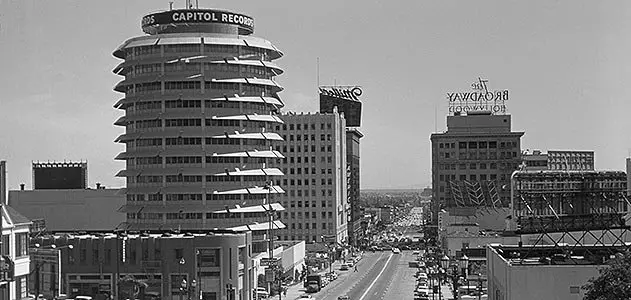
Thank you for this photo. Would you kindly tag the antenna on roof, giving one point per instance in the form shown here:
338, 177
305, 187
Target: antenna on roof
170, 5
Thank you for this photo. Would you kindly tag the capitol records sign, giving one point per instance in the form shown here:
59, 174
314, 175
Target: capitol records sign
479, 98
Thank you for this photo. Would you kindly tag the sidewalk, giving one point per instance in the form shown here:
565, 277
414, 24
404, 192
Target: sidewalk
297, 289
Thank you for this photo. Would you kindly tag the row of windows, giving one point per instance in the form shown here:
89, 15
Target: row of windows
304, 126
242, 51
196, 178
480, 166
305, 137
479, 155
246, 70
323, 193
190, 197
193, 216
294, 203
205, 258
479, 145
313, 226
254, 90
157, 105
196, 123
474, 177
305, 148
181, 141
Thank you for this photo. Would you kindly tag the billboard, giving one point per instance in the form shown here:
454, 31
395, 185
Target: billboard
346, 99
181, 16
59, 175
479, 98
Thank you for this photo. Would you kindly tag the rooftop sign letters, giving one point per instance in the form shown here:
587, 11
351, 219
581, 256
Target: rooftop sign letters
197, 16
343, 92
480, 98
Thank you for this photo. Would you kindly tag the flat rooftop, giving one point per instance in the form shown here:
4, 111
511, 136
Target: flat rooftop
539, 255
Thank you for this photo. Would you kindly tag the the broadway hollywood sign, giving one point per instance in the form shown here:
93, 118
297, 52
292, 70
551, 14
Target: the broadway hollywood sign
480, 98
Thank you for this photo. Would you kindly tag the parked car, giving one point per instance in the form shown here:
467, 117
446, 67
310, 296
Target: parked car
344, 267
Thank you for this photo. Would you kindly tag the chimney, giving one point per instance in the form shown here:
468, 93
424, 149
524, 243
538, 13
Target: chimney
22, 186
98, 185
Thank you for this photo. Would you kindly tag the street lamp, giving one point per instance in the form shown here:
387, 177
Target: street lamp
444, 264
464, 266
183, 283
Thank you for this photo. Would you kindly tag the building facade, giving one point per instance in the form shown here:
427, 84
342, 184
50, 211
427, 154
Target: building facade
547, 273
565, 160
472, 162
316, 177
85, 209
200, 107
14, 255
352, 176
192, 264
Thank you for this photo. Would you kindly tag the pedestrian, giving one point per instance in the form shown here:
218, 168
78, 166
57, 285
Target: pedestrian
285, 291
355, 268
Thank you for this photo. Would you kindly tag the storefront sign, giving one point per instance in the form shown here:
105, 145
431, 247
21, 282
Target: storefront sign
480, 98
197, 16
343, 92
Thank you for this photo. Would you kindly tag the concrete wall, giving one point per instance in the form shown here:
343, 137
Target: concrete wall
71, 209
552, 282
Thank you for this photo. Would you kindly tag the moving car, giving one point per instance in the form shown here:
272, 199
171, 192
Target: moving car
305, 296
343, 298
396, 251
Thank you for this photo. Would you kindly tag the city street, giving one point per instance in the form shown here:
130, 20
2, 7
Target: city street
380, 275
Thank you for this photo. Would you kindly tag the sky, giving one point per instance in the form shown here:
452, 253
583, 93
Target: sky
567, 65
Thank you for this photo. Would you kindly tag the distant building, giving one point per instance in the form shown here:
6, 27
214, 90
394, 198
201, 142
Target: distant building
212, 264
534, 160
315, 176
472, 163
567, 160
352, 176
72, 209
14, 254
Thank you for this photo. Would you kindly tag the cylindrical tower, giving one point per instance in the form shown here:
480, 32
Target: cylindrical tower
200, 103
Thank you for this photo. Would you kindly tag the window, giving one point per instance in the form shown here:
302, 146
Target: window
176, 282
21, 287
208, 257
179, 253
21, 240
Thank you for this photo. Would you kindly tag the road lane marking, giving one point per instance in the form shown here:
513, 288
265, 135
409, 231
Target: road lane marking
376, 278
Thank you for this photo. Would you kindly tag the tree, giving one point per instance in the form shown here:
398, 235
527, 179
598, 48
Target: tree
613, 282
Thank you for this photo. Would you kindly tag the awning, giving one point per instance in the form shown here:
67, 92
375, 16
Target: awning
255, 208
253, 190
261, 43
254, 136
250, 62
259, 226
142, 190
258, 118
255, 172
259, 81
145, 41
162, 208
255, 153
236, 98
